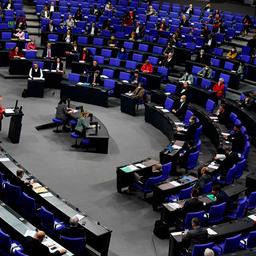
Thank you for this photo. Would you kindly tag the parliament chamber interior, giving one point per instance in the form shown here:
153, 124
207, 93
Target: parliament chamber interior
127, 127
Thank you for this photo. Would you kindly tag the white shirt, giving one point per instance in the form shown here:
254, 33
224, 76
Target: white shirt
92, 30
30, 73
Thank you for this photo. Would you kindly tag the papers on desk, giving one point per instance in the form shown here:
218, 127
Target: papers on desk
81, 61
225, 134
48, 243
129, 168
38, 188
179, 124
46, 70
54, 70
211, 232
159, 107
104, 77
125, 81
4, 159
174, 205
9, 111
79, 216
140, 165
47, 194
181, 129
129, 93
252, 217
37, 78
213, 166
167, 93
214, 118
30, 233
79, 83
165, 110
220, 156
174, 183
174, 146
179, 233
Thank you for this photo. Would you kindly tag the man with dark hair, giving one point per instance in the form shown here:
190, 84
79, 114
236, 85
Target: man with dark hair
221, 196
237, 139
194, 236
203, 179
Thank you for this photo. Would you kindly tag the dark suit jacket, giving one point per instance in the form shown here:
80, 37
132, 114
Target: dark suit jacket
224, 117
202, 181
191, 130
34, 247
228, 162
54, 66
192, 205
95, 31
73, 232
181, 110
195, 236
238, 141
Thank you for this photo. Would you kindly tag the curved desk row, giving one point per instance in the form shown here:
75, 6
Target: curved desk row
19, 229
222, 231
98, 236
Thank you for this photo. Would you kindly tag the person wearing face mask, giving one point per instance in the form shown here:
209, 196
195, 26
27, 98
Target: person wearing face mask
187, 78
205, 72
232, 54
185, 90
181, 108
122, 54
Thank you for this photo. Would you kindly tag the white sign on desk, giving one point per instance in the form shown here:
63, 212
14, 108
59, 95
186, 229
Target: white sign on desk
9, 111
4, 159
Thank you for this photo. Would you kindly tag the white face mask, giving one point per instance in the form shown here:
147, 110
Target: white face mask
181, 101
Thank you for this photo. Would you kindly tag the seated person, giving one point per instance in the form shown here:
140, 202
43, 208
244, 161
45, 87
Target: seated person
78, 15
15, 53
94, 67
109, 7
231, 158
192, 204
232, 54
240, 70
205, 72
219, 89
128, 18
208, 252
136, 78
204, 178
189, 147
223, 114
151, 11
220, 197
147, 67
133, 36
68, 38
70, 23
73, 230
184, 21
35, 72
45, 13
249, 101
139, 30
185, 90
9, 5
48, 51
187, 78
82, 124
92, 30
112, 42
155, 171
189, 10
122, 54
201, 57
181, 108
237, 139
161, 26
20, 35
62, 111
194, 236
58, 65
168, 60
189, 134
95, 79
31, 46
85, 55
33, 246
20, 174
139, 92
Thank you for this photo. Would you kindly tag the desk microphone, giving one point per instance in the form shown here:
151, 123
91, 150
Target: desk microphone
20, 111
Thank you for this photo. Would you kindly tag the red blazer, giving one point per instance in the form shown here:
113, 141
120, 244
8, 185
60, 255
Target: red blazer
2, 109
13, 54
219, 90
147, 68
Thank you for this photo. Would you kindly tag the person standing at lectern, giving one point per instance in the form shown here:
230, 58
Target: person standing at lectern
35, 72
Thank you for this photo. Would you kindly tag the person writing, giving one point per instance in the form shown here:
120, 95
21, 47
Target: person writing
35, 72
82, 124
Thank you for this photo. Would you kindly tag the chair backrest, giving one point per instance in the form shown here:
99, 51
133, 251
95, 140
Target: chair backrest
106, 53
98, 41
10, 45
251, 240
189, 216
157, 50
198, 249
28, 205
131, 64
226, 78
168, 104
153, 60
114, 62
207, 188
30, 54
5, 241
73, 77
198, 133
99, 59
232, 117
216, 213
195, 70
192, 160
128, 45
108, 72
170, 88
229, 65
210, 106
20, 253
218, 51
231, 175
143, 47
240, 167
92, 50
241, 208
82, 40
231, 244
109, 84
246, 149
215, 62
47, 218
185, 193
206, 83
124, 76
252, 201
187, 116
12, 194
75, 245
137, 57
166, 170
